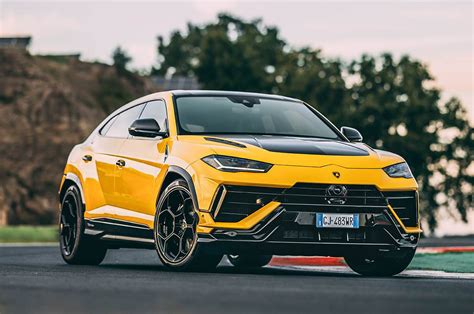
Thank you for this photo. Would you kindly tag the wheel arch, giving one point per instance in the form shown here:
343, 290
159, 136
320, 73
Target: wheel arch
69, 180
174, 173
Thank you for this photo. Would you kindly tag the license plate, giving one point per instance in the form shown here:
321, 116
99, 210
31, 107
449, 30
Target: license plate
337, 220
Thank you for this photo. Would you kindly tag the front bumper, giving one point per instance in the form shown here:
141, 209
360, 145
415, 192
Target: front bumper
275, 213
294, 233
283, 221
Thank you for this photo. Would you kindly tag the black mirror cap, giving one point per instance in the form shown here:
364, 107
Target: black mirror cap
352, 134
146, 128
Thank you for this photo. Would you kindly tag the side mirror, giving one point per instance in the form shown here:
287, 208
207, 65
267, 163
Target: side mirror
352, 134
146, 128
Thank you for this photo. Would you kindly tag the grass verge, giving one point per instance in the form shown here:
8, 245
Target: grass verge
448, 262
24, 234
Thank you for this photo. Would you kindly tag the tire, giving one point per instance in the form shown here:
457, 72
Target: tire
249, 261
175, 233
383, 266
76, 247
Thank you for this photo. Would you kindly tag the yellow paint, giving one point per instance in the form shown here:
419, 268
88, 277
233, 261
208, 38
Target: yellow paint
406, 229
130, 193
247, 223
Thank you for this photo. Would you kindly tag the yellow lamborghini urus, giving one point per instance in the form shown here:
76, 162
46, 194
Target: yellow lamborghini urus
199, 174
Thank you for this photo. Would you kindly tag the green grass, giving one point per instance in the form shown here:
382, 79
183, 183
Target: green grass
12, 234
448, 262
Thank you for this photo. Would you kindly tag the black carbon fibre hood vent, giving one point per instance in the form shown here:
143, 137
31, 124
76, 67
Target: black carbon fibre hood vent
224, 141
298, 145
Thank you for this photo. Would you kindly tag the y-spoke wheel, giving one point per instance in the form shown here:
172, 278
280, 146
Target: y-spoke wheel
176, 225
76, 247
176, 221
68, 225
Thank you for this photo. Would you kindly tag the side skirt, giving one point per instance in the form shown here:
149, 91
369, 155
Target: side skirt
120, 234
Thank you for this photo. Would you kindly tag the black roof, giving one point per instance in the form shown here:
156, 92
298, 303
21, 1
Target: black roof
228, 93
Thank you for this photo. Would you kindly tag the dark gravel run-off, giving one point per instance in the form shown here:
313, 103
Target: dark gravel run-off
35, 280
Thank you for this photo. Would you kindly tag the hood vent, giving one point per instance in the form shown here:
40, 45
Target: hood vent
223, 141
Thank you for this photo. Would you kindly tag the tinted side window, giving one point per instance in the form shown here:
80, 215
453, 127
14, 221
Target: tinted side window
123, 121
156, 109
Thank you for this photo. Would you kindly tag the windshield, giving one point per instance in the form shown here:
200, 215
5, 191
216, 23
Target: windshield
249, 115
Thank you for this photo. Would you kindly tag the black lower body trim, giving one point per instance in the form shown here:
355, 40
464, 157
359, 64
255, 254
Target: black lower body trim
118, 233
295, 233
297, 248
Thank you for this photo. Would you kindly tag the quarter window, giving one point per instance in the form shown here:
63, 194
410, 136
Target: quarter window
123, 121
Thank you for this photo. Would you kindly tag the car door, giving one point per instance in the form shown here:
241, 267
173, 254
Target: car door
138, 180
105, 151
101, 190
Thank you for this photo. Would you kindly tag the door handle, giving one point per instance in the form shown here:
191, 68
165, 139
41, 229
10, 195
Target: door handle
120, 163
87, 158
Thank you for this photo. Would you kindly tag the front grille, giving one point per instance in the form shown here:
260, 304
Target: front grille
404, 203
241, 201
234, 203
314, 197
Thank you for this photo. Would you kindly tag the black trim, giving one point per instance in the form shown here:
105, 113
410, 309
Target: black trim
119, 233
74, 179
405, 204
203, 93
118, 222
297, 248
224, 141
300, 145
182, 172
241, 201
290, 233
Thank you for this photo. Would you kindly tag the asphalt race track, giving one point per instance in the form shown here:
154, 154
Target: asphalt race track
35, 280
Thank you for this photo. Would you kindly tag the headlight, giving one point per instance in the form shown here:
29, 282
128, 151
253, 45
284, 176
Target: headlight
400, 170
234, 164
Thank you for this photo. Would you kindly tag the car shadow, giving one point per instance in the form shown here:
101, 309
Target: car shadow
265, 271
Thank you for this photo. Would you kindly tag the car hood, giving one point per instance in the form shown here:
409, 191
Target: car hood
298, 145
297, 151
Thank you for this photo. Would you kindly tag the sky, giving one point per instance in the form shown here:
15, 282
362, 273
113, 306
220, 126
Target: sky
440, 34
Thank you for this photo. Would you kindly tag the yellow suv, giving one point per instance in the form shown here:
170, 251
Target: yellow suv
199, 174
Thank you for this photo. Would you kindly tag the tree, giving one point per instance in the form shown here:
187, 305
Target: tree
229, 53
397, 111
121, 59
390, 101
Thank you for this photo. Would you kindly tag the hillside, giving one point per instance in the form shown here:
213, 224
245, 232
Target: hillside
47, 105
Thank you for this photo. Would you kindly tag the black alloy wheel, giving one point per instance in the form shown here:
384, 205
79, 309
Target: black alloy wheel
176, 228
380, 265
77, 247
68, 224
249, 261
176, 237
